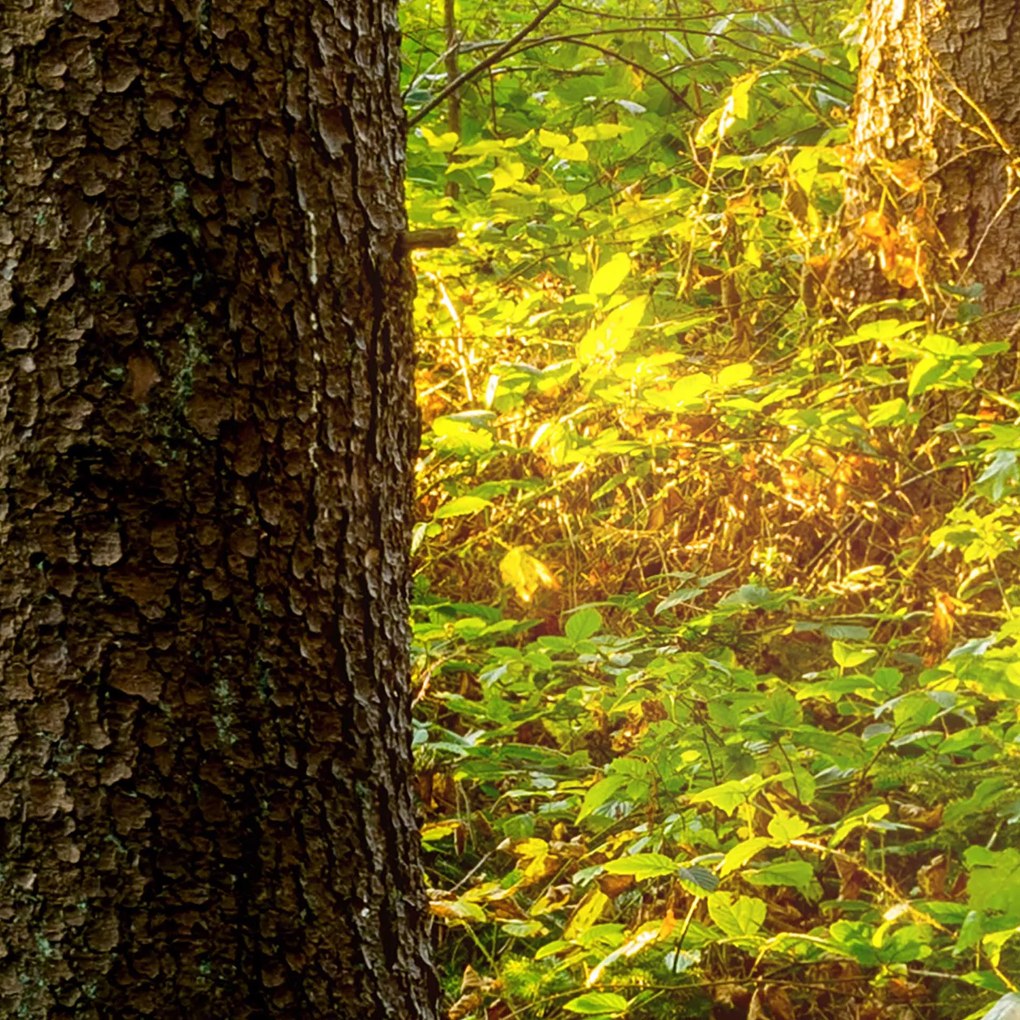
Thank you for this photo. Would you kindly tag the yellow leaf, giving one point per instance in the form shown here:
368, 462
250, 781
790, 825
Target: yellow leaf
588, 912
440, 830
575, 152
456, 910
507, 174
599, 132
440, 143
614, 333
525, 573
610, 275
552, 139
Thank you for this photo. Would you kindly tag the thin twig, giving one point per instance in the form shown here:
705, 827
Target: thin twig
483, 65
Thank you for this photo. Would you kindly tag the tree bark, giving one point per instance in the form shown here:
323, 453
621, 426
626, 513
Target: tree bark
935, 142
207, 433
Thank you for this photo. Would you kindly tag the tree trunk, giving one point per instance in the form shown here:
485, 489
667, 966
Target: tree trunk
936, 132
207, 433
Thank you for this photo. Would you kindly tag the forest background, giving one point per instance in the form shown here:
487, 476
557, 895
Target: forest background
716, 605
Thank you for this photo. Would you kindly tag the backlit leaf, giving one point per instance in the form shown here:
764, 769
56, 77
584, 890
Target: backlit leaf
597, 1003
615, 333
461, 506
610, 275
525, 573
642, 866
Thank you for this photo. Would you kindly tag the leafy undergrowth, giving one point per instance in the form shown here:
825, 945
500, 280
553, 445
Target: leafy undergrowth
716, 622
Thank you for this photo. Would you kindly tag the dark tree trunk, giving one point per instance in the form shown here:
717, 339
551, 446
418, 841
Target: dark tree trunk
936, 132
206, 437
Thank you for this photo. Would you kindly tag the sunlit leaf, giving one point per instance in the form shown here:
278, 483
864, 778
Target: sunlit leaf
599, 132
847, 656
457, 910
615, 333
642, 866
461, 506
736, 858
785, 827
733, 375
440, 830
597, 1003
587, 913
610, 275
600, 792
525, 573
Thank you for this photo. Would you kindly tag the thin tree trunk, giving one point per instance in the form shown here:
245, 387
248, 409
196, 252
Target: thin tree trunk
206, 441
452, 65
936, 136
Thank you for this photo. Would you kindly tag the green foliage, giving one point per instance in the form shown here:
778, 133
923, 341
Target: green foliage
715, 634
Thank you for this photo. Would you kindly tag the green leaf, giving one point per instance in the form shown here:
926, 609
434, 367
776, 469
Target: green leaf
797, 874
783, 709
847, 656
589, 910
867, 818
461, 507
601, 792
889, 412
1000, 476
926, 373
440, 143
905, 945
785, 827
523, 929
677, 598
583, 624
730, 795
459, 910
599, 132
886, 329
551, 948
700, 877
726, 796
460, 438
552, 139
742, 853
562, 146
596, 1003
735, 109
854, 939
642, 866
753, 596
993, 882
738, 917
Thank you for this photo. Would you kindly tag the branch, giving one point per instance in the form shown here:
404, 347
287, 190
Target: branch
430, 237
483, 65
677, 96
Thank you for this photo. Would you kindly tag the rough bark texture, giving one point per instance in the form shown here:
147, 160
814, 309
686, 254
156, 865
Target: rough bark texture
206, 438
936, 136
